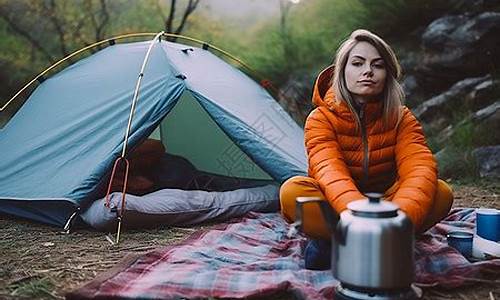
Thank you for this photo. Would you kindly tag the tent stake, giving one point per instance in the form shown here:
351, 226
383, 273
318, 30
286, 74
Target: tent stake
118, 230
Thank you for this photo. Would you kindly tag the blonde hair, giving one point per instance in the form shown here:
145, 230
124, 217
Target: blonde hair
392, 95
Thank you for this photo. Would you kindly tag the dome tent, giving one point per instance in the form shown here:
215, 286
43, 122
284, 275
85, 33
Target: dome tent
61, 145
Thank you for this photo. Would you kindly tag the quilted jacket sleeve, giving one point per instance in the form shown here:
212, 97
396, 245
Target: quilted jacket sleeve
417, 170
326, 162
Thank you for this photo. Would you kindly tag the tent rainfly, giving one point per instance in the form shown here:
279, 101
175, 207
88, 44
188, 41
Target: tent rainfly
61, 145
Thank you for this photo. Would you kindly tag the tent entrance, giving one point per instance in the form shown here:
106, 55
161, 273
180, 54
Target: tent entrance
189, 131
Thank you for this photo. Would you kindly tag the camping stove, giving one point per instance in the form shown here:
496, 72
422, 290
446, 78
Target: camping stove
354, 293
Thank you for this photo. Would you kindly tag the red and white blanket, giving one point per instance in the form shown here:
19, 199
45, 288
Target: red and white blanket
253, 257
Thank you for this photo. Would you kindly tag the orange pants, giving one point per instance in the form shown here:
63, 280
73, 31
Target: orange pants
313, 221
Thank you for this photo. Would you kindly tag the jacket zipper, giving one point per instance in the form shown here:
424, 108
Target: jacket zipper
364, 139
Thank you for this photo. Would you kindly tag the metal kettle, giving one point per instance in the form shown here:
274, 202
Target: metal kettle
372, 245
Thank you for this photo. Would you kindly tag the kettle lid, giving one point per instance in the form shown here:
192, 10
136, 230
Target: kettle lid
373, 207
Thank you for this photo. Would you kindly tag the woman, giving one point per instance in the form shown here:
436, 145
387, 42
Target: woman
360, 138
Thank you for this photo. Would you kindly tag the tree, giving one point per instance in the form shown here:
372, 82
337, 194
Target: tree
54, 28
36, 34
287, 39
171, 17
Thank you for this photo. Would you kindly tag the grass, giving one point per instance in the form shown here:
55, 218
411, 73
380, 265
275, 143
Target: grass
40, 262
455, 159
457, 163
34, 288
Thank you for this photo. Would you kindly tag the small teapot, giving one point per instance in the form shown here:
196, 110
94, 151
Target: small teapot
372, 243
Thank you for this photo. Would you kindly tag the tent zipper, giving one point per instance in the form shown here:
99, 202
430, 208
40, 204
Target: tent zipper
364, 140
71, 219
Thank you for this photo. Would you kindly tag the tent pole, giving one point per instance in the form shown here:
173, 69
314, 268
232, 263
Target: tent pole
67, 58
129, 126
126, 36
136, 93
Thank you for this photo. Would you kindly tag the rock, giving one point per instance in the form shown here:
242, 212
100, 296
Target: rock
446, 102
483, 94
478, 6
408, 58
438, 33
410, 87
461, 44
488, 161
491, 111
409, 84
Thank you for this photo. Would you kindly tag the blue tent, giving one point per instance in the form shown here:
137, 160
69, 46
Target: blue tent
63, 142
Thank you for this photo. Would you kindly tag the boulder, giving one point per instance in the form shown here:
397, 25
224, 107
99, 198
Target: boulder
489, 113
438, 34
488, 161
460, 44
446, 103
483, 94
410, 87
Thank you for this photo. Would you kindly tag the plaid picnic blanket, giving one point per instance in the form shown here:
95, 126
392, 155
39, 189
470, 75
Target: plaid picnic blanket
253, 257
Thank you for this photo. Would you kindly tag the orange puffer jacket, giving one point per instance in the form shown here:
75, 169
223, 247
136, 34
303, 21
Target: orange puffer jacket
347, 161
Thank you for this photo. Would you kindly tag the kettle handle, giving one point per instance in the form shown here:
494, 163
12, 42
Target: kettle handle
328, 213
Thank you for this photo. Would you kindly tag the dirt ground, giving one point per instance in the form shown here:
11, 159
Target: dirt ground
40, 262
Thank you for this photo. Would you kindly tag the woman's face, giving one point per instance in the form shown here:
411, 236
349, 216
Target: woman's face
365, 72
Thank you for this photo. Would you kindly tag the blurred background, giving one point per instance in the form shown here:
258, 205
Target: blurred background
449, 51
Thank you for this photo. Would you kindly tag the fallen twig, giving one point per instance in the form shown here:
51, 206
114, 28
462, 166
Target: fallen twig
135, 248
110, 239
50, 270
96, 263
185, 229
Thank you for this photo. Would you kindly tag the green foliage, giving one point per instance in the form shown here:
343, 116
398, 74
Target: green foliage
33, 289
455, 160
303, 44
18, 61
457, 163
35, 34
455, 157
297, 47
463, 136
136, 16
22, 23
307, 41
224, 35
315, 28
